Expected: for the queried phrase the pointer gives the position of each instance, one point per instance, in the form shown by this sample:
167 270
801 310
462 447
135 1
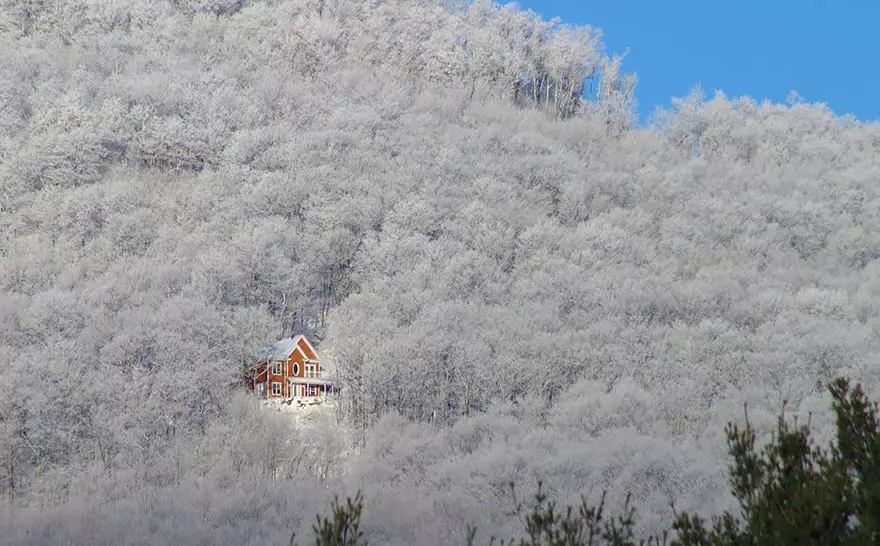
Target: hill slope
515 282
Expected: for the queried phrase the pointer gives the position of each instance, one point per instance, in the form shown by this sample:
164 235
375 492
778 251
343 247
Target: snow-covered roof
283 347
310 381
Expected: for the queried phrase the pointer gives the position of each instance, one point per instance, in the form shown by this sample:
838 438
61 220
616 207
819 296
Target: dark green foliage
545 525
792 492
343 528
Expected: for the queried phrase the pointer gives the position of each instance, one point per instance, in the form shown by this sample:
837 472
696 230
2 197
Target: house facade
290 369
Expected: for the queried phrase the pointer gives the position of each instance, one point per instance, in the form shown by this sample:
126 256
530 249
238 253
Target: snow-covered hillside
515 281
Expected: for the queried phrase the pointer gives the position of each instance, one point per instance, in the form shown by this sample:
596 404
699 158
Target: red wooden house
290 369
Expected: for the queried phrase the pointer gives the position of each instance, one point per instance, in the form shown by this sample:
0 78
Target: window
311 371
276 388
276 368
295 369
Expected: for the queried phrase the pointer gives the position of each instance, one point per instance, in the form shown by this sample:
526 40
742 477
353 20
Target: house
290 369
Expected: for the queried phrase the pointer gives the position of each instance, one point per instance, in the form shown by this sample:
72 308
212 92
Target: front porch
310 387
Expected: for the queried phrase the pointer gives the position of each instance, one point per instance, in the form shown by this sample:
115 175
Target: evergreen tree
793 492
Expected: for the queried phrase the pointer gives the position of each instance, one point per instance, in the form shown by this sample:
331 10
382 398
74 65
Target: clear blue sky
826 50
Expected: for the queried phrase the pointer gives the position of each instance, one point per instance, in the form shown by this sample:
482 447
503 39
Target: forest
518 280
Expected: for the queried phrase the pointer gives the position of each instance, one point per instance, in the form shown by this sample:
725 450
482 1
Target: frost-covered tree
449 197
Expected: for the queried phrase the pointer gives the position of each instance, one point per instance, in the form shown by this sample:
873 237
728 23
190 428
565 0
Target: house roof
310 381
283 348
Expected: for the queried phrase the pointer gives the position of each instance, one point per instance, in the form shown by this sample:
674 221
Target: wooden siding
296 357
262 373
304 346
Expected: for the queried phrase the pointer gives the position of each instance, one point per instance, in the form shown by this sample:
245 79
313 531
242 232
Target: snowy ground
321 442
307 413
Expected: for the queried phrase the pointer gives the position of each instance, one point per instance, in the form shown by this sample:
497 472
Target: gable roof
283 348
306 347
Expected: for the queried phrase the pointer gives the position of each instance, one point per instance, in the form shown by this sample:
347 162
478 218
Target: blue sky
828 51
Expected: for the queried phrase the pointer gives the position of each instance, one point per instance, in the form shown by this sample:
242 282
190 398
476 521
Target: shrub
343 528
